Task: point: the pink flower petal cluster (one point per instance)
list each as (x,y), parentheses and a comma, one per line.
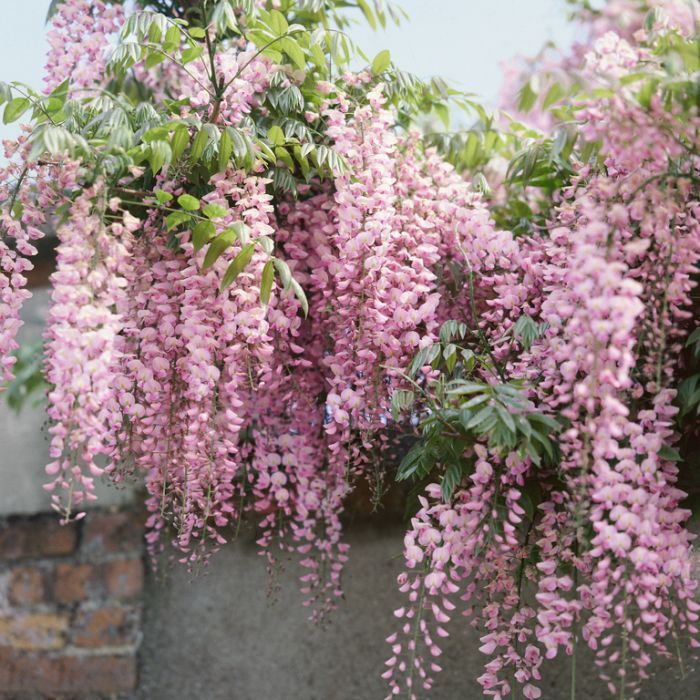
(83,350)
(612,279)
(227,407)
(79,40)
(29,191)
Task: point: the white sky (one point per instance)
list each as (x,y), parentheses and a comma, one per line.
(463,41)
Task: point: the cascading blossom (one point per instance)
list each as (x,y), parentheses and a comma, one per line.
(612,281)
(79,40)
(83,349)
(207,377)
(29,190)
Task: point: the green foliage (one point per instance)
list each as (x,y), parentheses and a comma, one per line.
(688,398)
(381,62)
(460,409)
(28,378)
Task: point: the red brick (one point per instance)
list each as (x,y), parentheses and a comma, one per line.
(112,533)
(108,626)
(43,536)
(27,586)
(123,578)
(74,582)
(78,582)
(66,673)
(34,631)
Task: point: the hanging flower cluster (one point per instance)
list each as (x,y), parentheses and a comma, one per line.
(250,350)
(611,282)
(29,190)
(78,41)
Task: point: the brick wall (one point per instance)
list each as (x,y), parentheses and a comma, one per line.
(70,605)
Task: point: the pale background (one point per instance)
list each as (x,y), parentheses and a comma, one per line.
(464,41)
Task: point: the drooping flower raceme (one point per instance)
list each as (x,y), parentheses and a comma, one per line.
(611,280)
(180,350)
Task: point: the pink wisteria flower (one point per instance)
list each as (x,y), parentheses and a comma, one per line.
(239,346)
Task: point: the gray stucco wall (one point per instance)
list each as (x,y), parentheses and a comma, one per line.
(220,637)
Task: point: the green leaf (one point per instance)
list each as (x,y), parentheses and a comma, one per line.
(475,401)
(268,276)
(266,243)
(153,59)
(157,133)
(276,135)
(28,378)
(180,139)
(6,92)
(15,109)
(294,51)
(284,272)
(191,53)
(56,139)
(172,38)
(646,92)
(688,394)
(524,426)
(53,6)
(187,201)
(461,388)
(650,20)
(225,149)
(480,417)
(554,94)
(224,17)
(197,33)
(203,232)
(526,97)
(278,23)
(450,480)
(301,296)
(527,505)
(450,356)
(199,144)
(470,153)
(217,247)
(177,218)
(381,62)
(401,402)
(243,233)
(240,262)
(694,340)
(480,184)
(214,211)
(367,12)
(159,156)
(443,112)
(283,155)
(154,33)
(452,330)
(318,56)
(505,417)
(545,442)
(416,463)
(163,197)
(548,421)
(425,356)
(670,453)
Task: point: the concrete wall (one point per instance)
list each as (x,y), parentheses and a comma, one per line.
(220,637)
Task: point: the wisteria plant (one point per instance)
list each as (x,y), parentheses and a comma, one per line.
(277,267)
